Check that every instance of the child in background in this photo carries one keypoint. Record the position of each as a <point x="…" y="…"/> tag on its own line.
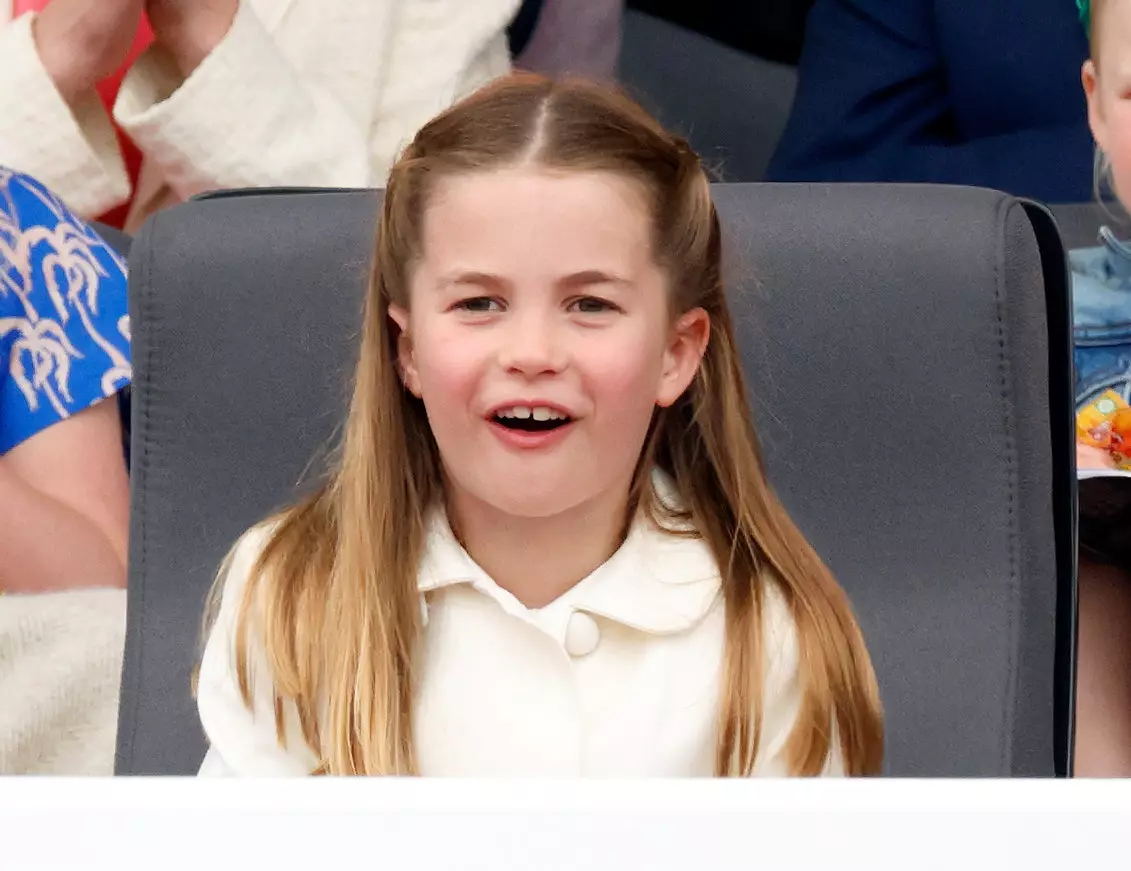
<point x="548" y="547"/>
<point x="1102" y="317"/>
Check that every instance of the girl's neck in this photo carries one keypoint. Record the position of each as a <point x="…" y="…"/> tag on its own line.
<point x="539" y="559"/>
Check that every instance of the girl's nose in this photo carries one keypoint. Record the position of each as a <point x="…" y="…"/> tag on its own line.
<point x="532" y="346"/>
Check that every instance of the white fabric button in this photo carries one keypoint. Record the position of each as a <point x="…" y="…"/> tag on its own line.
<point x="582" y="635"/>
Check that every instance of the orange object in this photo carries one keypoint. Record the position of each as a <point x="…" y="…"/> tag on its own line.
<point x="1093" y="422"/>
<point x="108" y="90"/>
<point x="1121" y="437"/>
<point x="1105" y="423"/>
<point x="1121" y="424"/>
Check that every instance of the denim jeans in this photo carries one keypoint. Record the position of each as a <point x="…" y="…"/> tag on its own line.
<point x="1101" y="289"/>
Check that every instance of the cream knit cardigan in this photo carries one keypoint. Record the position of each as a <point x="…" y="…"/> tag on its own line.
<point x="299" y="92"/>
<point x="60" y="672"/>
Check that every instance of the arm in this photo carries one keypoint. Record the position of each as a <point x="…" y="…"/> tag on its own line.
<point x="61" y="657"/>
<point x="243" y="113"/>
<point x="1053" y="164"/>
<point x="219" y="106"/>
<point x="568" y="39"/>
<point x="64" y="506"/>
<point x="873" y="104"/>
<point x="67" y="142"/>
<point x="471" y="40"/>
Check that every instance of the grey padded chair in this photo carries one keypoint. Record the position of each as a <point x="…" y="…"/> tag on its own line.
<point x="907" y="348"/>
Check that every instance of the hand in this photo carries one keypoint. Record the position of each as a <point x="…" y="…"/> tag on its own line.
<point x="190" y="29"/>
<point x="1088" y="457"/>
<point x="81" y="42"/>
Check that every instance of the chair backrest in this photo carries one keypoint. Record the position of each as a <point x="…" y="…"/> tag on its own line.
<point x="907" y="354"/>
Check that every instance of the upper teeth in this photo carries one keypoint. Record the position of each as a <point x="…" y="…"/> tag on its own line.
<point x="538" y="412"/>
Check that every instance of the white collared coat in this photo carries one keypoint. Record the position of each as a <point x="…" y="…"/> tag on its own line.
<point x="619" y="677"/>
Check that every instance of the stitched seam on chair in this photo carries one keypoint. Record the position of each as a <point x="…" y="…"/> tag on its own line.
<point x="145" y="304"/>
<point x="1009" y="422"/>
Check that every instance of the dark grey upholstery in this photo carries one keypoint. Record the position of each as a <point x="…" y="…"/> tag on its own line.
<point x="1080" y="223"/>
<point x="115" y="238"/>
<point x="732" y="106"/>
<point x="899" y="355"/>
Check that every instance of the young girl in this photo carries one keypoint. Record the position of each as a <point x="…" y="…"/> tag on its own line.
<point x="549" y="547"/>
<point x="1102" y="303"/>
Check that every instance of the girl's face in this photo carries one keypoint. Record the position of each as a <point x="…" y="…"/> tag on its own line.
<point x="1107" y="85"/>
<point x="540" y="339"/>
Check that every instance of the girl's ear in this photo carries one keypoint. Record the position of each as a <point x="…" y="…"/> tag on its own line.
<point x="1096" y="119"/>
<point x="406" y="365"/>
<point x="684" y="353"/>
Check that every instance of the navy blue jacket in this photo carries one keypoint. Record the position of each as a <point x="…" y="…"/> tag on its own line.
<point x="978" y="92"/>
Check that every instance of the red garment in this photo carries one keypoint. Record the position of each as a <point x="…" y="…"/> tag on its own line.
<point x="108" y="90"/>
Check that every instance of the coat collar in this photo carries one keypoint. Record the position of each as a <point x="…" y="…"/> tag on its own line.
<point x="1109" y="263"/>
<point x="1118" y="255"/>
<point x="656" y="582"/>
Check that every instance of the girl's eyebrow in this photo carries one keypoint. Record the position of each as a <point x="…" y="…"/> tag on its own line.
<point x="592" y="276"/>
<point x="474" y="278"/>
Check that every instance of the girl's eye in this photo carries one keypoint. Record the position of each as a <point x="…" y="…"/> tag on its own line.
<point x="591" y="305"/>
<point x="479" y="305"/>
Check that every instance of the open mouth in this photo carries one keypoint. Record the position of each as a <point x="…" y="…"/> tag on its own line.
<point x="531" y="419"/>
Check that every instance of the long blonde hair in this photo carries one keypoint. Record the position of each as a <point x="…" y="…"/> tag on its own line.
<point x="333" y="597"/>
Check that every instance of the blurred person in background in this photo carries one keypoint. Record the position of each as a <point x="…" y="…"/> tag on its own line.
<point x="64" y="491"/>
<point x="770" y="29"/>
<point x="122" y="107"/>
<point x="64" y="357"/>
<point x="572" y="38"/>
<point x="944" y="91"/>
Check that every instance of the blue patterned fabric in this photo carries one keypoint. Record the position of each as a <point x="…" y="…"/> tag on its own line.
<point x="64" y="323"/>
